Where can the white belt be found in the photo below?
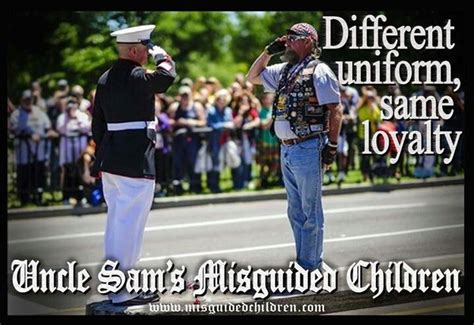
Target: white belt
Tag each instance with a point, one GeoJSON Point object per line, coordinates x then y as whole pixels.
{"type": "Point", "coordinates": [131, 125]}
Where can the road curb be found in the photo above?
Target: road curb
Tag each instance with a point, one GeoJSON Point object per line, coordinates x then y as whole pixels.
{"type": "Point", "coordinates": [338, 301]}
{"type": "Point", "coordinates": [187, 201]}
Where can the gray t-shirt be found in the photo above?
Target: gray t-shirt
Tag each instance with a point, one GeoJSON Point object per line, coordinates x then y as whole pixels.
{"type": "Point", "coordinates": [325, 83]}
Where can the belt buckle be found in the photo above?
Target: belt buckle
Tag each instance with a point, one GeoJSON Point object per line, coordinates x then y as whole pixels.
{"type": "Point", "coordinates": [289, 142]}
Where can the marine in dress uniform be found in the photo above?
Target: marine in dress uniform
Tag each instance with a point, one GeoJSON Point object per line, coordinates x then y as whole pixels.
{"type": "Point", "coordinates": [123, 128]}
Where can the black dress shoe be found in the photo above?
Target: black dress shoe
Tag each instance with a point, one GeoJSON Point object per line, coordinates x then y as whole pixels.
{"type": "Point", "coordinates": [142, 299]}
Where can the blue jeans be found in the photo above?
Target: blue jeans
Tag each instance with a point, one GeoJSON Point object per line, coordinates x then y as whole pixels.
{"type": "Point", "coordinates": [302, 175]}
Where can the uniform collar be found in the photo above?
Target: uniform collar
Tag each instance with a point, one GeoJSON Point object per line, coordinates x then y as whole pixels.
{"type": "Point", "coordinates": [126, 62]}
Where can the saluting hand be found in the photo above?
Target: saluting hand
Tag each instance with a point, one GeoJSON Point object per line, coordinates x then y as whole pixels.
{"type": "Point", "coordinates": [277, 46]}
{"type": "Point", "coordinates": [159, 55]}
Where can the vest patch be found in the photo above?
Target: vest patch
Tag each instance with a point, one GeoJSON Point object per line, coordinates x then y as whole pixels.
{"type": "Point", "coordinates": [300, 106]}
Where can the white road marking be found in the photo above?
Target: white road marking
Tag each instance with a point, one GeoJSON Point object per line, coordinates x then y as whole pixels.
{"type": "Point", "coordinates": [418, 260]}
{"type": "Point", "coordinates": [268, 247]}
{"type": "Point", "coordinates": [217, 222]}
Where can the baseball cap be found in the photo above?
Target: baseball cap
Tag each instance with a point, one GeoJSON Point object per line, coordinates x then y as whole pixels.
{"type": "Point", "coordinates": [26, 94]}
{"type": "Point", "coordinates": [185, 90]}
{"type": "Point", "coordinates": [62, 83]}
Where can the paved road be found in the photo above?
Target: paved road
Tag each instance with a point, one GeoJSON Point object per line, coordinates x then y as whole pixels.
{"type": "Point", "coordinates": [424, 226]}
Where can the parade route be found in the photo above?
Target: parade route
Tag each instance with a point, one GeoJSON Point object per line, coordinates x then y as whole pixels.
{"type": "Point", "coordinates": [424, 227]}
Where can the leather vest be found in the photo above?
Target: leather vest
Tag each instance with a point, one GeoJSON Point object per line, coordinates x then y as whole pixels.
{"type": "Point", "coordinates": [298, 103]}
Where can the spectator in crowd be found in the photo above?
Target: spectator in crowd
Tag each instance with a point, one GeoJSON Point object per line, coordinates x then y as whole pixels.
{"type": "Point", "coordinates": [347, 128]}
{"type": "Point", "coordinates": [203, 97]}
{"type": "Point", "coordinates": [246, 122]}
{"type": "Point", "coordinates": [368, 111]}
{"type": "Point", "coordinates": [454, 124]}
{"type": "Point", "coordinates": [268, 148]}
{"type": "Point", "coordinates": [186, 115]}
{"type": "Point", "coordinates": [249, 87]}
{"type": "Point", "coordinates": [38, 99]}
{"type": "Point", "coordinates": [31, 126]}
{"type": "Point", "coordinates": [90, 188]}
{"type": "Point", "coordinates": [186, 82]}
{"type": "Point", "coordinates": [220, 119]}
{"type": "Point", "coordinates": [63, 87]}
{"type": "Point", "coordinates": [400, 168]}
{"type": "Point", "coordinates": [58, 107]}
{"type": "Point", "coordinates": [213, 85]}
{"type": "Point", "coordinates": [200, 83]}
{"type": "Point", "coordinates": [235, 89]}
{"type": "Point", "coordinates": [84, 104]}
{"type": "Point", "coordinates": [62, 91]}
{"type": "Point", "coordinates": [426, 162]}
{"type": "Point", "coordinates": [381, 167]}
{"type": "Point", "coordinates": [91, 98]}
{"type": "Point", "coordinates": [74, 127]}
{"type": "Point", "coordinates": [163, 162]}
{"type": "Point", "coordinates": [240, 79]}
{"type": "Point", "coordinates": [426, 90]}
{"type": "Point", "coordinates": [351, 94]}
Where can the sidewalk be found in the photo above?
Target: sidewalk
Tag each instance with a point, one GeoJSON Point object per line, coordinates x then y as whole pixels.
{"type": "Point", "coordinates": [344, 302]}
{"type": "Point", "coordinates": [451, 305]}
{"type": "Point", "coordinates": [192, 200]}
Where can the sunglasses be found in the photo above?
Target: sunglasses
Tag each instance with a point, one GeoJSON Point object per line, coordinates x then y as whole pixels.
{"type": "Point", "coordinates": [292, 38]}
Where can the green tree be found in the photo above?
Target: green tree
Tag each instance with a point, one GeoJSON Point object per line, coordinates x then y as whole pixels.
{"type": "Point", "coordinates": [54, 45]}
{"type": "Point", "coordinates": [254, 31]}
{"type": "Point", "coordinates": [77, 45]}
